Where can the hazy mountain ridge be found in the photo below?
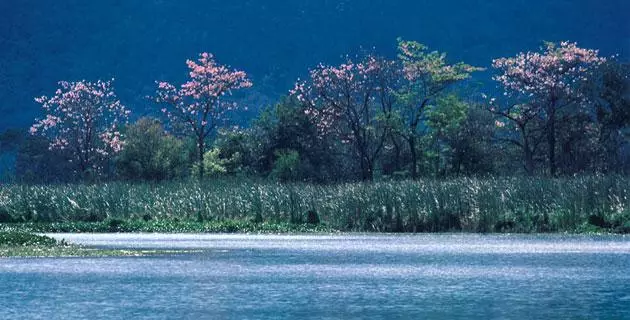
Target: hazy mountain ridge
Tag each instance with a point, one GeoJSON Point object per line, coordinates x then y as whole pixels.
{"type": "Point", "coordinates": [138, 42]}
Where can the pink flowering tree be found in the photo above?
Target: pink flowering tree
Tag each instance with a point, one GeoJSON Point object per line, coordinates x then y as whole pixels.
{"type": "Point", "coordinates": [83, 118]}
{"type": "Point", "coordinates": [200, 104]}
{"type": "Point", "coordinates": [427, 75]}
{"type": "Point", "coordinates": [543, 84]}
{"type": "Point", "coordinates": [351, 103]}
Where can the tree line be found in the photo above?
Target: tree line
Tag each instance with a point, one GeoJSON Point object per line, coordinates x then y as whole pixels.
{"type": "Point", "coordinates": [561, 110]}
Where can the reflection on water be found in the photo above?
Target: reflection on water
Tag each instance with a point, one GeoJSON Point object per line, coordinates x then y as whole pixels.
{"type": "Point", "coordinates": [327, 277]}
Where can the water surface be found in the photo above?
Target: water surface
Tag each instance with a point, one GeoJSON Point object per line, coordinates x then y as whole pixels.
{"type": "Point", "coordinates": [327, 277]}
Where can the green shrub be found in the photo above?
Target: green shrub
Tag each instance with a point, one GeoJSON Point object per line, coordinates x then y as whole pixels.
{"type": "Point", "coordinates": [287, 166]}
{"type": "Point", "coordinates": [216, 165]}
{"type": "Point", "coordinates": [150, 153]}
{"type": "Point", "coordinates": [25, 239]}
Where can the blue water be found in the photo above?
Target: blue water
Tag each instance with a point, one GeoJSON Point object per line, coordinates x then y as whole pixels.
{"type": "Point", "coordinates": [327, 277]}
{"type": "Point", "coordinates": [141, 41]}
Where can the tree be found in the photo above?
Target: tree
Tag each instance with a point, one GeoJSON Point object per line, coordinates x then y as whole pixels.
{"type": "Point", "coordinates": [611, 92]}
{"type": "Point", "coordinates": [471, 142]}
{"type": "Point", "coordinates": [36, 162]}
{"type": "Point", "coordinates": [352, 102]}
{"type": "Point", "coordinates": [83, 118]}
{"type": "Point", "coordinates": [519, 125]}
{"type": "Point", "coordinates": [443, 120]}
{"type": "Point", "coordinates": [287, 166]}
{"type": "Point", "coordinates": [427, 75]}
{"type": "Point", "coordinates": [150, 153]}
{"type": "Point", "coordinates": [199, 104]}
{"type": "Point", "coordinates": [285, 126]}
{"type": "Point", "coordinates": [544, 83]}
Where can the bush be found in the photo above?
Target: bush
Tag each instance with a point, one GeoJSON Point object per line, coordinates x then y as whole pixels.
{"type": "Point", "coordinates": [25, 239]}
{"type": "Point", "coordinates": [215, 165]}
{"type": "Point", "coordinates": [287, 166]}
{"type": "Point", "coordinates": [150, 153]}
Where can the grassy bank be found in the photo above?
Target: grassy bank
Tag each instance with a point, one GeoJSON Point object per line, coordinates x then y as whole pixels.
{"type": "Point", "coordinates": [24, 244]}
{"type": "Point", "coordinates": [165, 226]}
{"type": "Point", "coordinates": [580, 204]}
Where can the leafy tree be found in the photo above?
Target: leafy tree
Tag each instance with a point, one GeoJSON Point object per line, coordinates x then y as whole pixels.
{"type": "Point", "coordinates": [240, 146]}
{"type": "Point", "coordinates": [36, 162]}
{"type": "Point", "coordinates": [444, 120]}
{"type": "Point", "coordinates": [472, 148]}
{"type": "Point", "coordinates": [214, 164]}
{"type": "Point", "coordinates": [287, 166]}
{"type": "Point", "coordinates": [427, 75]}
{"type": "Point", "coordinates": [150, 153]}
{"type": "Point", "coordinates": [286, 126]}
{"type": "Point", "coordinates": [611, 94]}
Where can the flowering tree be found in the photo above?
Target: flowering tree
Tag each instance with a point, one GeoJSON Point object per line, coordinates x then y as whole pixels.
{"type": "Point", "coordinates": [199, 104]}
{"type": "Point", "coordinates": [351, 103]}
{"type": "Point", "coordinates": [83, 118]}
{"type": "Point", "coordinates": [543, 84]}
{"type": "Point", "coordinates": [427, 75]}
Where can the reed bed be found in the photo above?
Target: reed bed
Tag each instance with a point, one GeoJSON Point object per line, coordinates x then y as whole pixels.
{"type": "Point", "coordinates": [516, 204]}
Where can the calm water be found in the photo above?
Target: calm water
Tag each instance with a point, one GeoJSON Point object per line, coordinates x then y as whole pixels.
{"type": "Point", "coordinates": [327, 277]}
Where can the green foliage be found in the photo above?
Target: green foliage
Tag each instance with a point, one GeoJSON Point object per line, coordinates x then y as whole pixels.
{"type": "Point", "coordinates": [286, 127]}
{"type": "Point", "coordinates": [287, 166]}
{"type": "Point", "coordinates": [473, 151]}
{"type": "Point", "coordinates": [150, 153]}
{"type": "Point", "coordinates": [239, 148]}
{"type": "Point", "coordinates": [459, 204]}
{"type": "Point", "coordinates": [215, 165]}
{"type": "Point", "coordinates": [36, 163]}
{"type": "Point", "coordinates": [16, 238]}
{"type": "Point", "coordinates": [11, 140]}
{"type": "Point", "coordinates": [430, 70]}
{"type": "Point", "coordinates": [173, 226]}
{"type": "Point", "coordinates": [428, 77]}
{"type": "Point", "coordinates": [446, 116]}
{"type": "Point", "coordinates": [459, 138]}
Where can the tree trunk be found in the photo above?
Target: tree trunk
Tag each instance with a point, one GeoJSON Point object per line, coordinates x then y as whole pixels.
{"type": "Point", "coordinates": [528, 154]}
{"type": "Point", "coordinates": [367, 172]}
{"type": "Point", "coordinates": [437, 153]}
{"type": "Point", "coordinates": [414, 157]}
{"type": "Point", "coordinates": [529, 160]}
{"type": "Point", "coordinates": [201, 146]}
{"type": "Point", "coordinates": [551, 139]}
{"type": "Point", "coordinates": [396, 156]}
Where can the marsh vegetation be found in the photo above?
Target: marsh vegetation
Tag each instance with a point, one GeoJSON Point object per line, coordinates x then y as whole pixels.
{"type": "Point", "coordinates": [580, 204]}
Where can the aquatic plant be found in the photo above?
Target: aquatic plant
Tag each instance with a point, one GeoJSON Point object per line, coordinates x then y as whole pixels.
{"type": "Point", "coordinates": [16, 238]}
{"type": "Point", "coordinates": [461, 204]}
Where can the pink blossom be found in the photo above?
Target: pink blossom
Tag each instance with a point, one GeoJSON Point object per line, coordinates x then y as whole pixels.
{"type": "Point", "coordinates": [551, 73]}
{"type": "Point", "coordinates": [202, 102]}
{"type": "Point", "coordinates": [82, 117]}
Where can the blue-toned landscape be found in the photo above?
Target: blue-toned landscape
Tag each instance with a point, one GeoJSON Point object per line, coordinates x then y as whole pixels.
{"type": "Point", "coordinates": [325, 159]}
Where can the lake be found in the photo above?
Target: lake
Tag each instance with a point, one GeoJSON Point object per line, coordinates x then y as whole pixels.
{"type": "Point", "coordinates": [346, 276]}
